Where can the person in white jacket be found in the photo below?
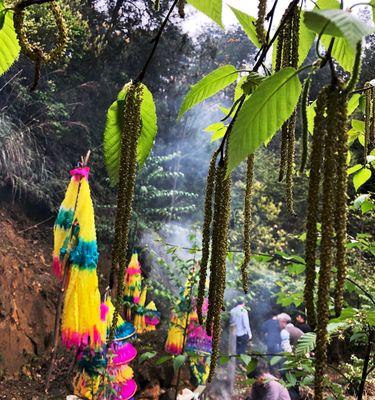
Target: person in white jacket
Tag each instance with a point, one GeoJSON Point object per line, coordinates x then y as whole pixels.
{"type": "Point", "coordinates": [239, 317]}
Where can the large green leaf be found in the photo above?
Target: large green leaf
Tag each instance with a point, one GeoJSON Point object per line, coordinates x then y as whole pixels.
{"type": "Point", "coordinates": [342, 51]}
{"type": "Point", "coordinates": [263, 113]}
{"type": "Point", "coordinates": [208, 86]}
{"type": "Point", "coordinates": [338, 23]}
{"type": "Point", "coordinates": [306, 343]}
{"type": "Point", "coordinates": [361, 177]}
{"type": "Point", "coordinates": [113, 127]}
{"type": "Point", "coordinates": [9, 47]}
{"type": "Point", "coordinates": [327, 5]}
{"type": "Point", "coordinates": [248, 24]}
{"type": "Point", "coordinates": [212, 8]}
{"type": "Point", "coordinates": [306, 39]}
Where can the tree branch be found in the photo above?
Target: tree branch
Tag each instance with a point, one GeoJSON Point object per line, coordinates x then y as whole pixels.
{"type": "Point", "coordinates": [27, 3]}
{"type": "Point", "coordinates": [156, 42]}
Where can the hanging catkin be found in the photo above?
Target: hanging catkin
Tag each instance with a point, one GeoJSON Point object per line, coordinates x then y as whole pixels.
{"type": "Point", "coordinates": [316, 159]}
{"type": "Point", "coordinates": [341, 210]}
{"type": "Point", "coordinates": [368, 118]}
{"type": "Point", "coordinates": [220, 229]}
{"type": "Point", "coordinates": [206, 234]}
{"type": "Point", "coordinates": [247, 222]}
{"type": "Point", "coordinates": [372, 128]}
{"type": "Point", "coordinates": [326, 246]}
{"type": "Point", "coordinates": [127, 173]}
{"type": "Point", "coordinates": [287, 56]}
{"type": "Point", "coordinates": [181, 8]}
{"type": "Point", "coordinates": [259, 24]}
{"type": "Point", "coordinates": [304, 121]}
{"type": "Point", "coordinates": [33, 50]}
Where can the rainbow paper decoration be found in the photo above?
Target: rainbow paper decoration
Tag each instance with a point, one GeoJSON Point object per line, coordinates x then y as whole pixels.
{"type": "Point", "coordinates": [175, 338]}
{"type": "Point", "coordinates": [124, 329]}
{"type": "Point", "coordinates": [75, 235]}
{"type": "Point", "coordinates": [197, 340]}
{"type": "Point", "coordinates": [139, 318]}
{"type": "Point", "coordinates": [152, 317]}
{"type": "Point", "coordinates": [133, 284]}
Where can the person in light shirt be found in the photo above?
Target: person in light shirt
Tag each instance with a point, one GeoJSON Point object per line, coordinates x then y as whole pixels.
{"type": "Point", "coordinates": [239, 317]}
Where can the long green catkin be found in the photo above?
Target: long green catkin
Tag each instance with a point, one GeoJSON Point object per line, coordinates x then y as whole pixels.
{"type": "Point", "coordinates": [316, 160]}
{"type": "Point", "coordinates": [247, 222]}
{"type": "Point", "coordinates": [206, 235]}
{"type": "Point", "coordinates": [326, 245]}
{"type": "Point", "coordinates": [341, 208]}
{"type": "Point", "coordinates": [127, 174]}
{"type": "Point", "coordinates": [219, 255]}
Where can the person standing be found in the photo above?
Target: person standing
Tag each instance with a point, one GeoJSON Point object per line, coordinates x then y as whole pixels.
{"type": "Point", "coordinates": [271, 333]}
{"type": "Point", "coordinates": [302, 324]}
{"type": "Point", "coordinates": [285, 322]}
{"type": "Point", "coordinates": [239, 318]}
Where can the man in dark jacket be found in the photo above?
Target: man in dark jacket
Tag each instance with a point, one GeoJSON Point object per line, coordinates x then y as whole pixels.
{"type": "Point", "coordinates": [271, 333]}
{"type": "Point", "coordinates": [302, 324]}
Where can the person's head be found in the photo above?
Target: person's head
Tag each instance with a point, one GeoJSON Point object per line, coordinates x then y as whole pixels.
{"type": "Point", "coordinates": [240, 301]}
{"type": "Point", "coordinates": [261, 369]}
{"type": "Point", "coordinates": [300, 318]}
{"type": "Point", "coordinates": [260, 388]}
{"type": "Point", "coordinates": [284, 320]}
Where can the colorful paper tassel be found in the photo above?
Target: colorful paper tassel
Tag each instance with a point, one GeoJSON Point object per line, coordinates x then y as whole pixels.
{"type": "Point", "coordinates": [139, 319]}
{"type": "Point", "coordinates": [133, 283]}
{"type": "Point", "coordinates": [152, 317]}
{"type": "Point", "coordinates": [81, 324]}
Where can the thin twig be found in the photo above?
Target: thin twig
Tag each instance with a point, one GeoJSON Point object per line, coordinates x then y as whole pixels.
{"type": "Point", "coordinates": [361, 288]}
{"type": "Point", "coordinates": [156, 42]}
{"type": "Point", "coordinates": [35, 225]}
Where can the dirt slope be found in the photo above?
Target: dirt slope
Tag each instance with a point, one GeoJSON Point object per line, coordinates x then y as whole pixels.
{"type": "Point", "coordinates": [27, 290]}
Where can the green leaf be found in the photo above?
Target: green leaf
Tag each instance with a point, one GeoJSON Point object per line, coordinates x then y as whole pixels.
{"type": "Point", "coordinates": [337, 23]}
{"type": "Point", "coordinates": [257, 120]}
{"type": "Point", "coordinates": [306, 39]}
{"type": "Point", "coordinates": [223, 360]}
{"type": "Point", "coordinates": [146, 356]}
{"type": "Point", "coordinates": [178, 361]}
{"type": "Point", "coordinates": [354, 168]}
{"type": "Point", "coordinates": [358, 125]}
{"type": "Point", "coordinates": [275, 359]}
{"type": "Point", "coordinates": [9, 47]}
{"type": "Point", "coordinates": [251, 365]}
{"type": "Point", "coordinates": [371, 317]}
{"type": "Point", "coordinates": [112, 131]}
{"type": "Point", "coordinates": [248, 25]}
{"type": "Point", "coordinates": [162, 360]}
{"type": "Point", "coordinates": [306, 343]}
{"type": "Point", "coordinates": [208, 86]}
{"type": "Point", "coordinates": [342, 51]}
{"type": "Point", "coordinates": [212, 8]}
{"type": "Point", "coordinates": [353, 103]}
{"type": "Point", "coordinates": [327, 4]}
{"type": "Point", "coordinates": [361, 177]}
{"type": "Point", "coordinates": [296, 269]}
{"type": "Point", "coordinates": [246, 359]}
{"type": "Point", "coordinates": [217, 130]}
